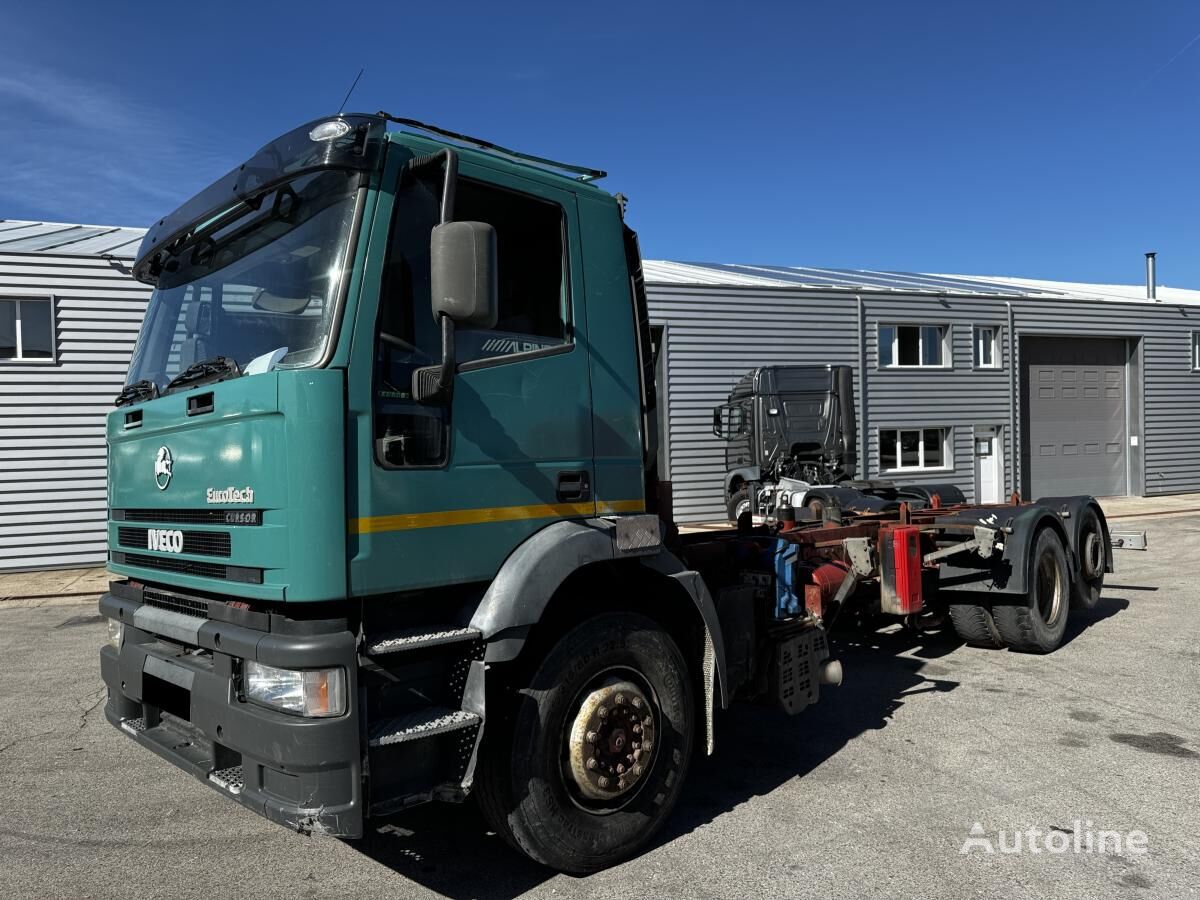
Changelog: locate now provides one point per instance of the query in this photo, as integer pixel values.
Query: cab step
(419, 638)
(421, 723)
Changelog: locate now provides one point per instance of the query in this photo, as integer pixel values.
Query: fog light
(311, 692)
(116, 628)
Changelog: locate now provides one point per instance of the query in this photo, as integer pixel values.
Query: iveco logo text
(162, 468)
(230, 495)
(165, 540)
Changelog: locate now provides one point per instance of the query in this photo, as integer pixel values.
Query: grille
(189, 606)
(190, 516)
(189, 567)
(201, 543)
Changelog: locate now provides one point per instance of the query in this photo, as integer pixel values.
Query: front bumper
(172, 687)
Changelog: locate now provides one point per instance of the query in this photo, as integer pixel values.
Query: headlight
(115, 629)
(309, 692)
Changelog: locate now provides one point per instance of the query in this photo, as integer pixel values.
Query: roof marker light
(328, 131)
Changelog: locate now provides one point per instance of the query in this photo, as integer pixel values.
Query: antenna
(351, 91)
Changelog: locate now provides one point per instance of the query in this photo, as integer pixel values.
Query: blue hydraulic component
(787, 603)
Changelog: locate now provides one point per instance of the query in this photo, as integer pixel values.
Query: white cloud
(80, 151)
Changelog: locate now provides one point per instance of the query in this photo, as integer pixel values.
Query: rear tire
(738, 503)
(1088, 584)
(531, 787)
(975, 625)
(1037, 624)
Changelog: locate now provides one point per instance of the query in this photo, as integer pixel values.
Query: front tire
(1037, 624)
(559, 780)
(738, 504)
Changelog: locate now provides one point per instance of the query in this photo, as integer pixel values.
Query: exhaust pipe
(830, 672)
(1151, 281)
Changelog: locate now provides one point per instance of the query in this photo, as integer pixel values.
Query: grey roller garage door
(1074, 392)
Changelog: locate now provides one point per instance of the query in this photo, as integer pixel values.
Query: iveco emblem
(162, 468)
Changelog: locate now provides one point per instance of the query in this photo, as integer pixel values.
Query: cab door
(443, 493)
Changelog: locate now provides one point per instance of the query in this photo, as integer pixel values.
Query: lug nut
(620, 768)
(637, 754)
(637, 702)
(621, 785)
(602, 781)
(637, 771)
(637, 729)
(620, 699)
(648, 746)
(591, 737)
(602, 712)
(591, 764)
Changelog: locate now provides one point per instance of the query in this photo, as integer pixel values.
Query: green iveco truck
(386, 524)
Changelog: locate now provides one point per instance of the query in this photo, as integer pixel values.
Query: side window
(533, 313)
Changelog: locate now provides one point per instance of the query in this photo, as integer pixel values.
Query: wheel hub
(611, 741)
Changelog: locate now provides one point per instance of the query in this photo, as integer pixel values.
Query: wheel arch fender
(531, 577)
(735, 478)
(1071, 511)
(1009, 573)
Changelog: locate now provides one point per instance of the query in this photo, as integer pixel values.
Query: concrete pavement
(872, 793)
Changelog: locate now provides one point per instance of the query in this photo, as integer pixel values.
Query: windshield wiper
(136, 393)
(223, 367)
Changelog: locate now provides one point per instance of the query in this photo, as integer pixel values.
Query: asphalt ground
(871, 793)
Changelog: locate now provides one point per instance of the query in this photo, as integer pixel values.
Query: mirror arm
(435, 384)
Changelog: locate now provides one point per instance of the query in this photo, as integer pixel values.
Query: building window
(913, 449)
(987, 346)
(914, 346)
(26, 329)
(1196, 351)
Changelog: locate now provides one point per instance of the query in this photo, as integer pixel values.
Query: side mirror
(717, 423)
(463, 273)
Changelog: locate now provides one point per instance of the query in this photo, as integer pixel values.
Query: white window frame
(1196, 351)
(946, 345)
(977, 345)
(947, 463)
(20, 358)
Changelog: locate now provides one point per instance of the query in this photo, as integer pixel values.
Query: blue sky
(1048, 139)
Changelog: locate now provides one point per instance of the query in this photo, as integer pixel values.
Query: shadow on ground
(449, 849)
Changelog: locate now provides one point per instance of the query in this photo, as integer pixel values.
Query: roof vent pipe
(1151, 284)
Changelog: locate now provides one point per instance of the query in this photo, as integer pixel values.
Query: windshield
(262, 280)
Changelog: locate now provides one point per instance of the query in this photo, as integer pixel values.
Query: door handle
(573, 486)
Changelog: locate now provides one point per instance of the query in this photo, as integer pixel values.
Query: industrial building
(994, 384)
(69, 314)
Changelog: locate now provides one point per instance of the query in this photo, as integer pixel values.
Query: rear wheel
(1086, 588)
(594, 755)
(1037, 624)
(738, 504)
(975, 625)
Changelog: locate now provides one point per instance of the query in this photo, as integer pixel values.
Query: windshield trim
(343, 291)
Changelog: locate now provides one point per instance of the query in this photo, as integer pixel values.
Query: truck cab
(384, 523)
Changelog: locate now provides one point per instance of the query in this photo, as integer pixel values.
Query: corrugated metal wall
(717, 333)
(52, 462)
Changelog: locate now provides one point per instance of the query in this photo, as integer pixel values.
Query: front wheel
(1036, 623)
(738, 504)
(594, 754)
